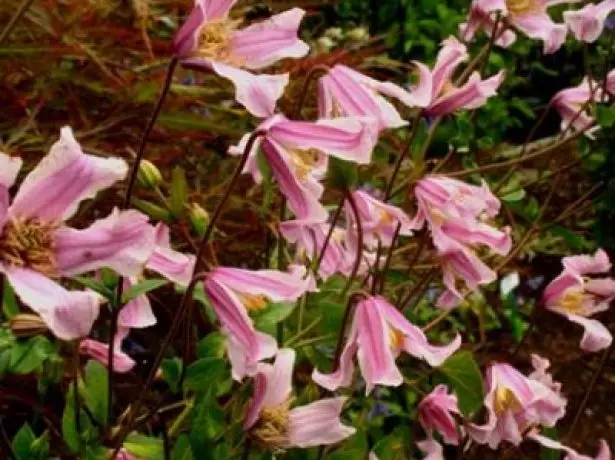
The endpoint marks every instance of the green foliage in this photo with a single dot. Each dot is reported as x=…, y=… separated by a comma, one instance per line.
x=464, y=375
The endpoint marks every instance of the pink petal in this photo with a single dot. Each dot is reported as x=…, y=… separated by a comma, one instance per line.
x=186, y=40
x=217, y=9
x=432, y=449
x=435, y=411
x=422, y=94
x=558, y=287
x=480, y=17
x=342, y=376
x=596, y=336
x=9, y=168
x=478, y=233
x=452, y=53
x=138, y=312
x=256, y=404
x=62, y=179
x=122, y=363
x=602, y=287
x=540, y=26
x=318, y=424
x=279, y=378
x=238, y=353
x=259, y=94
x=68, y=314
x=587, y=23
x=587, y=264
x=266, y=42
x=173, y=265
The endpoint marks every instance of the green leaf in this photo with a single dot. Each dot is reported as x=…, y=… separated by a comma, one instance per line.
x=204, y=373
x=342, y=174
x=181, y=449
x=274, y=313
x=605, y=116
x=69, y=429
x=354, y=448
x=546, y=453
x=152, y=210
x=39, y=450
x=144, y=447
x=178, y=192
x=142, y=287
x=393, y=446
x=463, y=373
x=96, y=286
x=27, y=356
x=22, y=441
x=96, y=378
x=171, y=371
x=213, y=345
x=9, y=302
x=517, y=195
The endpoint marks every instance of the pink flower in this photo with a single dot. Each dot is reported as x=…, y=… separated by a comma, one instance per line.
x=541, y=375
x=37, y=249
x=478, y=19
x=604, y=453
x=437, y=93
x=173, y=265
x=570, y=104
x=576, y=296
x=435, y=413
x=210, y=40
x=233, y=293
x=344, y=92
x=515, y=403
x=528, y=16
x=432, y=449
x=379, y=333
x=297, y=152
x=587, y=23
x=378, y=220
x=275, y=426
x=122, y=363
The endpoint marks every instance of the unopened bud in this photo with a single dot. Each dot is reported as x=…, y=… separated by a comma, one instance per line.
x=27, y=325
x=148, y=175
x=325, y=44
x=199, y=218
x=358, y=34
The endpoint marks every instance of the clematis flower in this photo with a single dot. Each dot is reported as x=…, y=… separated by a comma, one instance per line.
x=604, y=452
x=515, y=403
x=297, y=152
x=37, y=249
x=540, y=373
x=576, y=296
x=432, y=449
x=173, y=265
x=379, y=333
x=275, y=426
x=99, y=351
x=234, y=292
x=587, y=23
x=437, y=94
x=478, y=19
x=210, y=40
x=528, y=16
x=378, y=220
x=435, y=411
x=570, y=104
x=344, y=92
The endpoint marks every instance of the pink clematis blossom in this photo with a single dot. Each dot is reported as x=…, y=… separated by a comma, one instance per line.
x=297, y=152
x=379, y=333
x=210, y=40
x=587, y=23
x=604, y=452
x=432, y=449
x=234, y=292
x=528, y=16
x=99, y=351
x=576, y=296
x=37, y=249
x=344, y=92
x=435, y=413
x=515, y=403
x=571, y=105
x=436, y=92
x=541, y=375
x=173, y=265
x=274, y=425
x=378, y=220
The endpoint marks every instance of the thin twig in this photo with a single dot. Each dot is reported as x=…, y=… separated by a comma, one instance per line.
x=336, y=216
x=359, y=255
x=23, y=8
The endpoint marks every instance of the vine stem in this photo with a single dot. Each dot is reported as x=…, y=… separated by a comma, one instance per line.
x=359, y=255
x=336, y=217
x=23, y=8
x=320, y=68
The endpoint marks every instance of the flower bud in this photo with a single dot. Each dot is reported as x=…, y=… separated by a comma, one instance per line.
x=27, y=325
x=358, y=34
x=148, y=175
x=199, y=218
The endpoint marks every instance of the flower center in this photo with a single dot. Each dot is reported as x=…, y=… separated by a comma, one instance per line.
x=304, y=161
x=215, y=41
x=29, y=243
x=447, y=87
x=505, y=400
x=437, y=216
x=396, y=338
x=253, y=302
x=385, y=217
x=271, y=430
x=519, y=7
x=573, y=302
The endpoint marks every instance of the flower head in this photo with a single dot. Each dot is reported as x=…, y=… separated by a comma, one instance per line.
x=275, y=426
x=379, y=333
x=587, y=23
x=571, y=103
x=435, y=413
x=577, y=296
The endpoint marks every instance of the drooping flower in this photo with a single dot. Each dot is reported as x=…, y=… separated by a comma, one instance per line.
x=528, y=16
x=234, y=292
x=572, y=106
x=99, y=351
x=435, y=413
x=379, y=333
x=344, y=92
x=514, y=404
x=457, y=215
x=297, y=152
x=604, y=452
x=37, y=249
x=437, y=93
x=587, y=23
x=210, y=40
x=275, y=426
x=577, y=296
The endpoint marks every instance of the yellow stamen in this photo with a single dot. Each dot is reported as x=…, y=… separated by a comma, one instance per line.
x=253, y=302
x=271, y=430
x=29, y=243
x=215, y=42
x=396, y=338
x=304, y=161
x=447, y=87
x=505, y=400
x=385, y=217
x=521, y=7
x=438, y=216
x=573, y=302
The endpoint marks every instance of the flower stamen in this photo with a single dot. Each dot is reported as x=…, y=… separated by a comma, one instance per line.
x=215, y=43
x=271, y=430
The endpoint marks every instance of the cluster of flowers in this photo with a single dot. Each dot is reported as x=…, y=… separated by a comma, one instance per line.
x=38, y=250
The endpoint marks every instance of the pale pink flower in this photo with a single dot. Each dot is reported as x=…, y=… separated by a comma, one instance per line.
x=436, y=92
x=122, y=363
x=515, y=403
x=297, y=152
x=173, y=265
x=234, y=292
x=571, y=103
x=123, y=454
x=37, y=249
x=528, y=16
x=210, y=40
x=479, y=19
x=577, y=296
x=344, y=92
x=378, y=219
x=604, y=452
x=379, y=333
x=541, y=375
x=436, y=413
x=275, y=426
x=432, y=449
x=587, y=23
